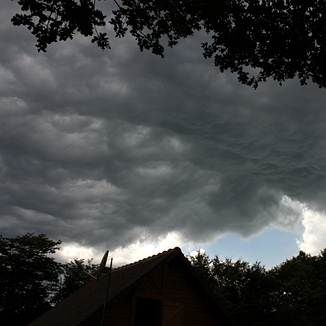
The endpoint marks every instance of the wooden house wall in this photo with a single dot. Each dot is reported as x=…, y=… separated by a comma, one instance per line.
x=117, y=313
x=184, y=303
x=180, y=286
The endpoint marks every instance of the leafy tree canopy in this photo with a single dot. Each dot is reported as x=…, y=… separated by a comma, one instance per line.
x=31, y=281
x=28, y=277
x=74, y=274
x=289, y=294
x=292, y=293
x=256, y=39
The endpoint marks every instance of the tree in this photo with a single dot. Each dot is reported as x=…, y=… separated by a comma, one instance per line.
x=256, y=39
x=300, y=290
x=241, y=288
x=28, y=277
x=75, y=274
x=289, y=294
x=31, y=281
x=202, y=264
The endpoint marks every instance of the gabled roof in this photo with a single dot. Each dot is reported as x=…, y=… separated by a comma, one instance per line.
x=90, y=298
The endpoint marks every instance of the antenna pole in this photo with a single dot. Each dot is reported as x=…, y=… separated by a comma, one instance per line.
x=107, y=292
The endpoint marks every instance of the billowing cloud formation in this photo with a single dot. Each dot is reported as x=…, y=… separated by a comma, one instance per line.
x=111, y=148
x=314, y=236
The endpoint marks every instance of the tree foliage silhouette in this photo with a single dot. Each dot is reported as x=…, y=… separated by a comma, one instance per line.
x=28, y=277
x=31, y=281
x=256, y=39
x=289, y=294
x=74, y=274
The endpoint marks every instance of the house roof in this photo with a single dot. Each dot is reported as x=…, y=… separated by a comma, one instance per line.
x=90, y=298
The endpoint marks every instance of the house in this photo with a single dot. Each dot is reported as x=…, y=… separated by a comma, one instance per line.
x=159, y=290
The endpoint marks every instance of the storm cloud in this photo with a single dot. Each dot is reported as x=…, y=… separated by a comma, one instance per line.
x=106, y=148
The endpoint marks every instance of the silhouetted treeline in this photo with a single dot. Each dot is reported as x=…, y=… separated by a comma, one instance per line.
x=31, y=281
x=293, y=293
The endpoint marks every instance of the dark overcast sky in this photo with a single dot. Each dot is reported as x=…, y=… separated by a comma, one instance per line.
x=107, y=149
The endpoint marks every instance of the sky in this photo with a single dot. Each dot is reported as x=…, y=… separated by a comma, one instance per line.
x=126, y=151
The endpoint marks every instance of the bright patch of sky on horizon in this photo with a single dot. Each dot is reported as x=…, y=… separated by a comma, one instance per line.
x=122, y=150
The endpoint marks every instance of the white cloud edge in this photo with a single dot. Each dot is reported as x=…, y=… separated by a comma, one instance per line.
x=311, y=241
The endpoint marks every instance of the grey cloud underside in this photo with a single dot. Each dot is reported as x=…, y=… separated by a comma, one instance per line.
x=105, y=147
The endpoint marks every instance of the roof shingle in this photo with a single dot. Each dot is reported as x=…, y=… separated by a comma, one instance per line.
x=90, y=297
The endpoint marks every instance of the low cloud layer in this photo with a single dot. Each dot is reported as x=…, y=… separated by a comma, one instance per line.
x=109, y=148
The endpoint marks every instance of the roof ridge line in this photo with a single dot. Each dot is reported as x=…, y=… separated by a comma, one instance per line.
x=147, y=258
